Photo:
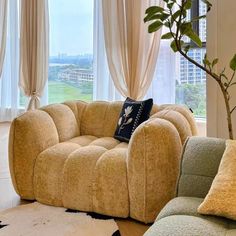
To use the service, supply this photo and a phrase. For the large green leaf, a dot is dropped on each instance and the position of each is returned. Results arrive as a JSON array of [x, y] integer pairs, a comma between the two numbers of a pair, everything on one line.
[[154, 9], [194, 37], [215, 61], [174, 46], [186, 49], [164, 16], [233, 63], [167, 24], [170, 5], [150, 17], [184, 13], [181, 43], [206, 62], [175, 15], [155, 26], [188, 4], [198, 18], [185, 28], [167, 36]]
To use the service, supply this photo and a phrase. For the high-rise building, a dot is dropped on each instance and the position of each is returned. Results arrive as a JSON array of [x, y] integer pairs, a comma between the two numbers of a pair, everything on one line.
[[190, 74]]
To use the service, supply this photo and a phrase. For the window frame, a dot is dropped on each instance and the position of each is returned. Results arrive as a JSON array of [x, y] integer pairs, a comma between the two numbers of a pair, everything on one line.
[[195, 12]]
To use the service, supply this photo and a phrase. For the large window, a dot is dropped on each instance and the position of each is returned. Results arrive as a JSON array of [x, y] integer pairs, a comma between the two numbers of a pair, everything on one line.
[[71, 74], [191, 81], [71, 49]]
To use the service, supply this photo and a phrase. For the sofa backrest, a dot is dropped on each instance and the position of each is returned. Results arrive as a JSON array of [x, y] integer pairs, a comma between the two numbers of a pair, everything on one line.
[[98, 118], [200, 161]]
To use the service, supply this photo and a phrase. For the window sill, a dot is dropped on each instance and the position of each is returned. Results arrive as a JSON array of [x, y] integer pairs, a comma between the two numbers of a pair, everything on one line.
[[201, 126]]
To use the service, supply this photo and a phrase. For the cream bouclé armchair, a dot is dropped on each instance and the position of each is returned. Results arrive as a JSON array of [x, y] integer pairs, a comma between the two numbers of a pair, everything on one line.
[[65, 155]]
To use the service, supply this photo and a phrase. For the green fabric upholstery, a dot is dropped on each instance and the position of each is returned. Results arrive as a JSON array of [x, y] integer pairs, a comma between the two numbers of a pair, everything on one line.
[[180, 218], [181, 206], [181, 225], [200, 161], [187, 206]]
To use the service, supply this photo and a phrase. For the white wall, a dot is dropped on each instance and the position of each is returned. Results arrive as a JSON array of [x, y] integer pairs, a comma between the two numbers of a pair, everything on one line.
[[221, 43]]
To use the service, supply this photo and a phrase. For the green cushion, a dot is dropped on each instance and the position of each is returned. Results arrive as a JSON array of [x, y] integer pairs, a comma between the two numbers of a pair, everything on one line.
[[181, 225], [180, 218], [188, 206], [181, 206], [200, 162]]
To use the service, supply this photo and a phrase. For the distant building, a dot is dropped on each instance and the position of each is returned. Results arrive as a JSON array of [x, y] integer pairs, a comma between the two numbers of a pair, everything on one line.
[[62, 55], [76, 75], [190, 74]]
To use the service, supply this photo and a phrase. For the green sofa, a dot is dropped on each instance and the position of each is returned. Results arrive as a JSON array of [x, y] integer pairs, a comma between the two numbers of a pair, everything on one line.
[[200, 161]]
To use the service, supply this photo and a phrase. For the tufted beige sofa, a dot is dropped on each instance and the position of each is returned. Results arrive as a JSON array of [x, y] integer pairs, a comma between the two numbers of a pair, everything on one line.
[[65, 155]]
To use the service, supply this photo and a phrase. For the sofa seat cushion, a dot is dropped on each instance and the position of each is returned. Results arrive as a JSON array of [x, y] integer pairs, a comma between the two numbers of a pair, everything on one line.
[[106, 142], [180, 218], [48, 173], [83, 140], [181, 206], [85, 173], [183, 225]]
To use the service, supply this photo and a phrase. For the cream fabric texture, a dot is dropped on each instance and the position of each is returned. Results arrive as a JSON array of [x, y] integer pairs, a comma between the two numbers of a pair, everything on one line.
[[65, 155], [3, 31], [221, 200], [34, 49], [131, 51]]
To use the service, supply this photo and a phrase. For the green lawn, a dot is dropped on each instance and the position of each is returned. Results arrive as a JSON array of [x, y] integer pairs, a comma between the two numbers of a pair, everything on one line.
[[60, 92]]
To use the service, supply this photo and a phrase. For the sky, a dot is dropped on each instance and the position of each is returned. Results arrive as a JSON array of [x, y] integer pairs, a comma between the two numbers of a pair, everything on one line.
[[71, 27]]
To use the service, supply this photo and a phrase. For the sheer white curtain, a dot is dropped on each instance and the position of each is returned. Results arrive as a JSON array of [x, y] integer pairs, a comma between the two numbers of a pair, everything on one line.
[[103, 88], [34, 49], [162, 88], [9, 91], [3, 29], [131, 51]]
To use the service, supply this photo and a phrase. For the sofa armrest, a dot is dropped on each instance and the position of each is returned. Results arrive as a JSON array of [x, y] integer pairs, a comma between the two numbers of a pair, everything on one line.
[[178, 120], [153, 167], [185, 112], [30, 134]]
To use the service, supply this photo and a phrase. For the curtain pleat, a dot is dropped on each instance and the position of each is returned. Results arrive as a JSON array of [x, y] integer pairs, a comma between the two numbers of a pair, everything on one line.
[[9, 90], [34, 49], [131, 51], [3, 31]]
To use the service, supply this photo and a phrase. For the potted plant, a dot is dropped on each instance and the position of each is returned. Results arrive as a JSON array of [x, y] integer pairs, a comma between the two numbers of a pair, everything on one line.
[[174, 17]]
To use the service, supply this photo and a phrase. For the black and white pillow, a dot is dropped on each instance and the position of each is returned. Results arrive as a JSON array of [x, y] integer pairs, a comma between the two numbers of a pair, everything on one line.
[[132, 115]]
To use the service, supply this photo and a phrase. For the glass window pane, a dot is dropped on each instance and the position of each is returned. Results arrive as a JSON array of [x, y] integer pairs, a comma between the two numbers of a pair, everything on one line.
[[202, 22], [191, 84], [191, 81], [71, 50]]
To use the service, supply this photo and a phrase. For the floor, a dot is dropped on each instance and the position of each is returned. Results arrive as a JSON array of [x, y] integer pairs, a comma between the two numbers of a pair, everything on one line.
[[9, 198]]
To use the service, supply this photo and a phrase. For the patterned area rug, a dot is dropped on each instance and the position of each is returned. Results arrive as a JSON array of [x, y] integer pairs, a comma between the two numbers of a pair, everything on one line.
[[36, 219]]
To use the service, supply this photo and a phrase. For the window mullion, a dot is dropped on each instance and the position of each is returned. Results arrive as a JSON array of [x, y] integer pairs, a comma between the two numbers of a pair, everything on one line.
[[194, 14]]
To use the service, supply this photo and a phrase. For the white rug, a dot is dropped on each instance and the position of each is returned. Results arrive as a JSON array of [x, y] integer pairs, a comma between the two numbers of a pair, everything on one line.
[[36, 219]]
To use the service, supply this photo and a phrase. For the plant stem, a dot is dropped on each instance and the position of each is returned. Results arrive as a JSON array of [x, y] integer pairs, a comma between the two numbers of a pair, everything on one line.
[[223, 90], [229, 114], [217, 78]]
